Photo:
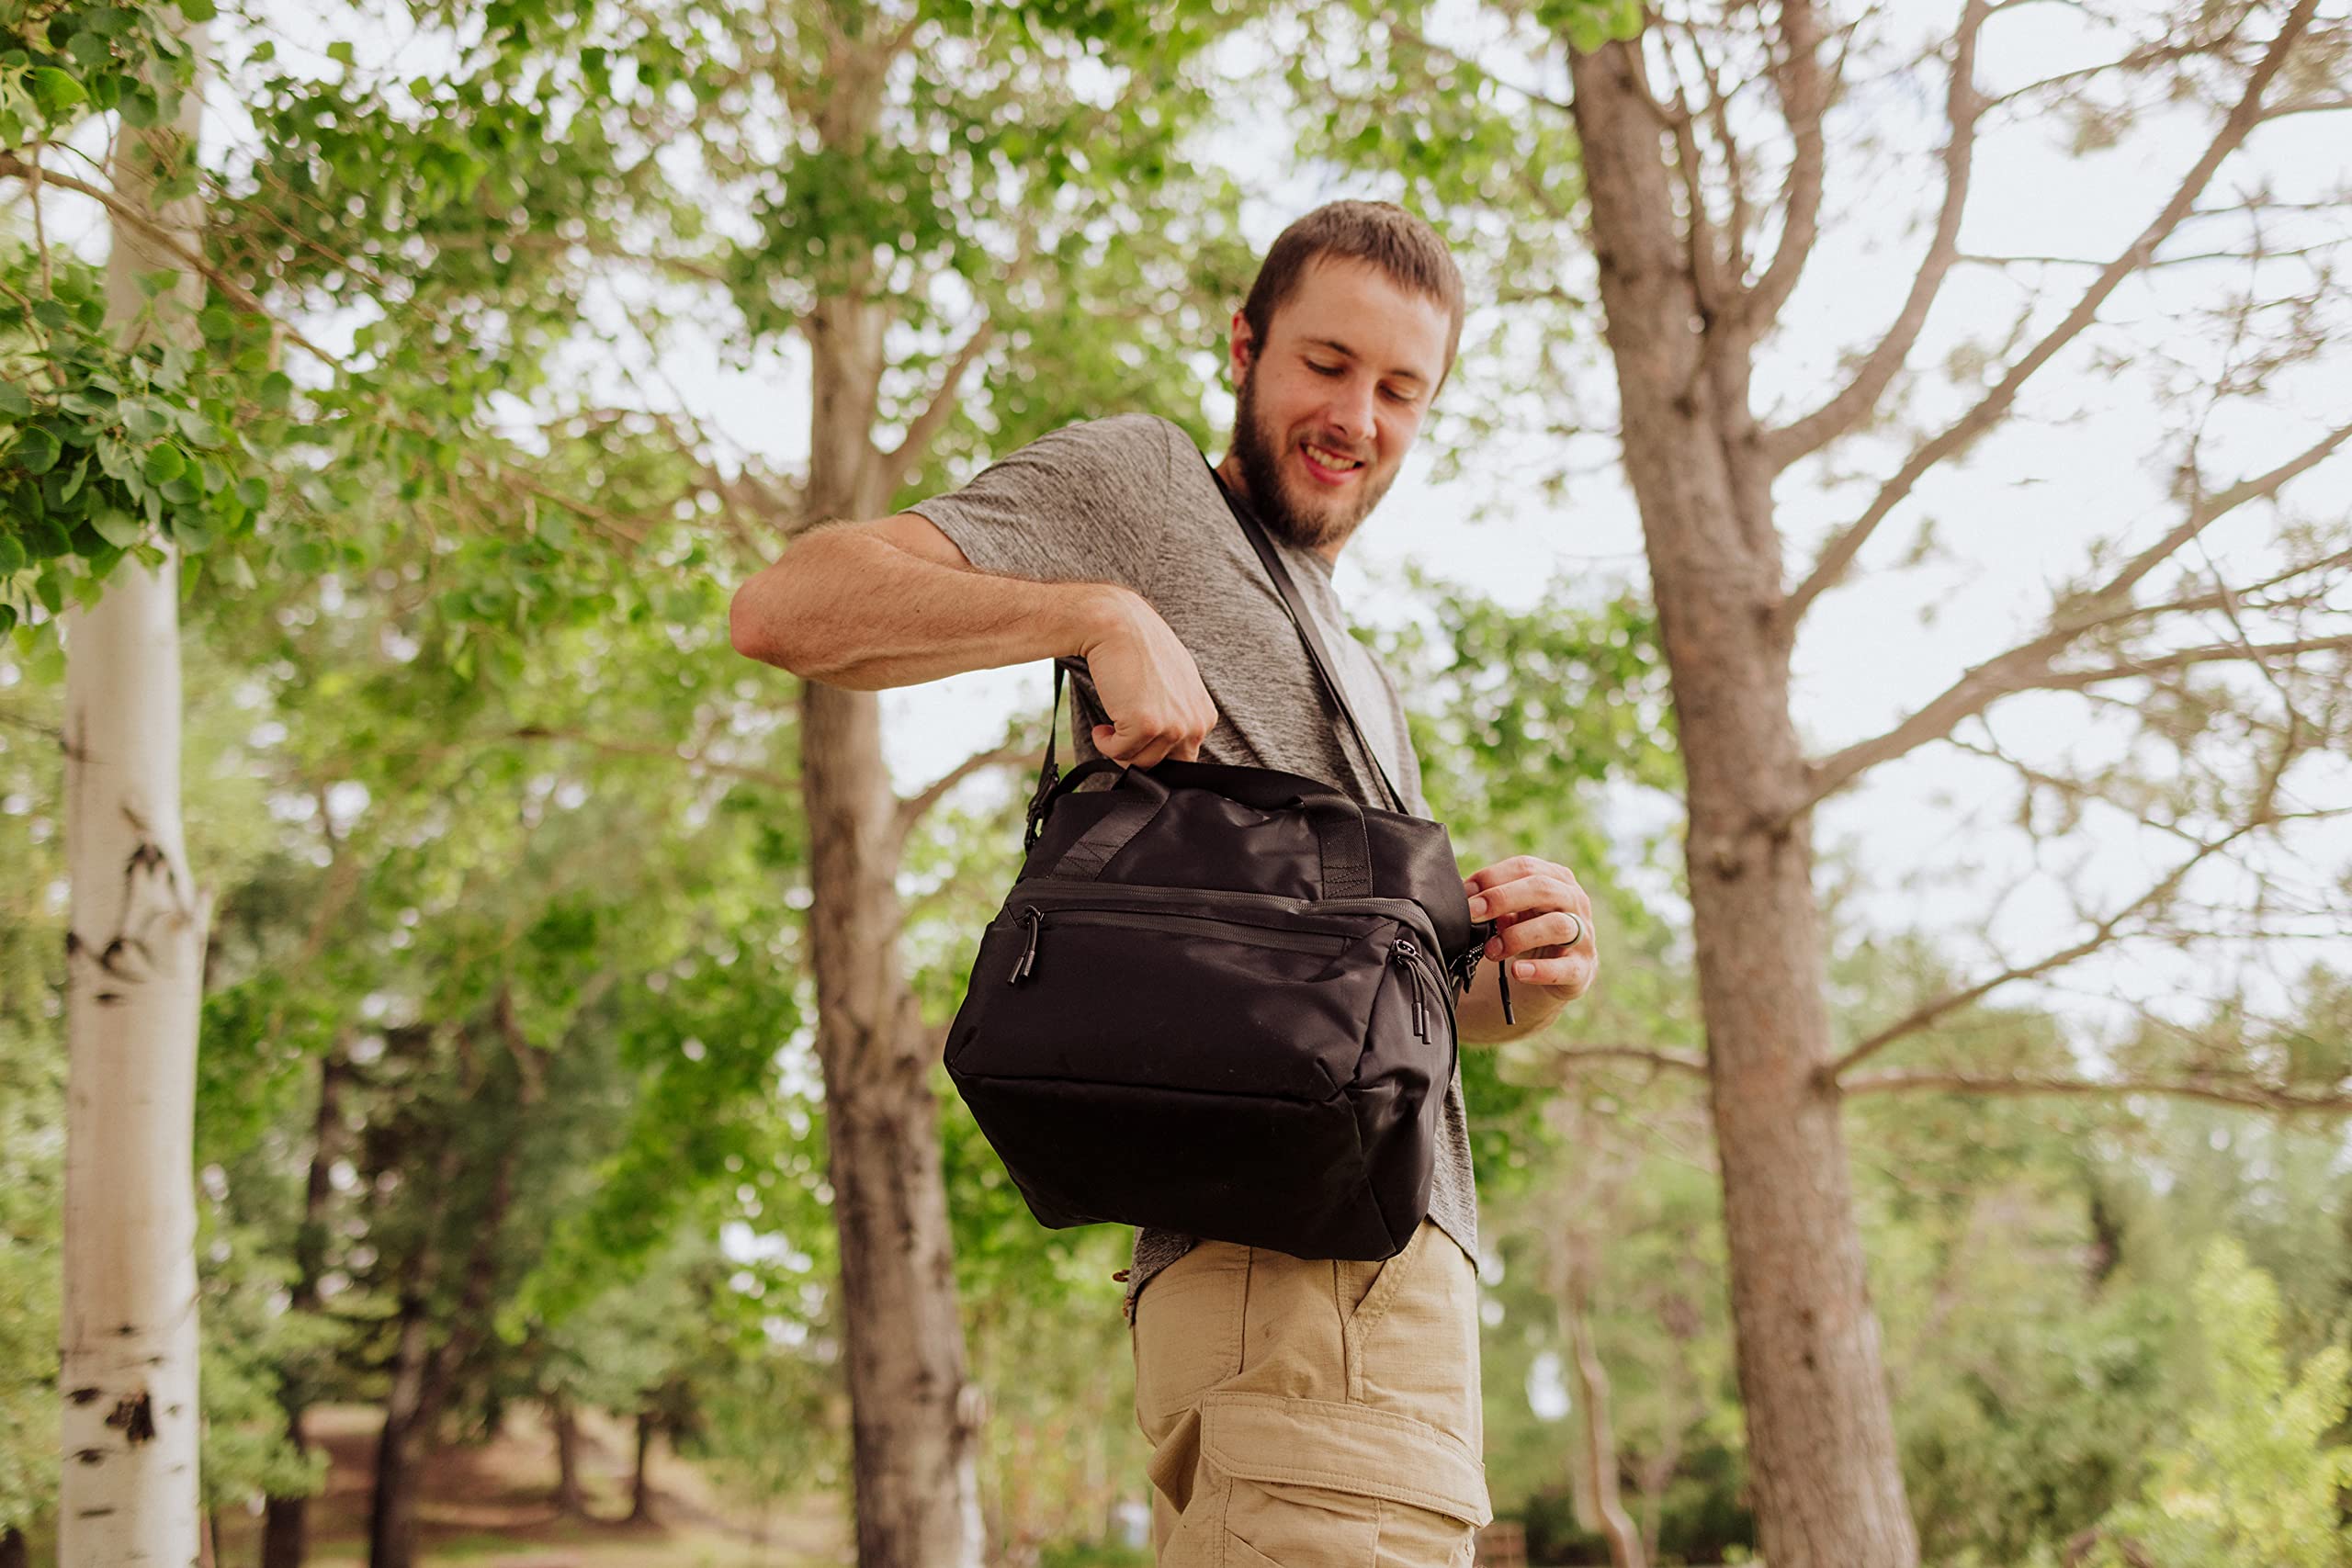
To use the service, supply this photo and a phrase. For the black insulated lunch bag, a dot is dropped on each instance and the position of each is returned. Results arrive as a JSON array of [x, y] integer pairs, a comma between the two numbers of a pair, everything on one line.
[[1219, 1000]]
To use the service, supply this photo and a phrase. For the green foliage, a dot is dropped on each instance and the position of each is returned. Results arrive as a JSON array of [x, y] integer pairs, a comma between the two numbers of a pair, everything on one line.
[[2251, 1478], [60, 62], [32, 1108], [104, 450], [245, 1451]]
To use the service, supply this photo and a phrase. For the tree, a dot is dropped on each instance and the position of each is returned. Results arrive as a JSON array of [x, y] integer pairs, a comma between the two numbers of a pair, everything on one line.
[[129, 1488], [1703, 214]]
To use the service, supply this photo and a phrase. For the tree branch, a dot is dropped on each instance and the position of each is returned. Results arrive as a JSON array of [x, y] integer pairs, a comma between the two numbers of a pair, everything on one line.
[[2247, 1093], [1651, 1056], [1012, 753], [1918, 1018], [2181, 659], [1803, 94], [1709, 282], [1841, 550], [1427, 46], [2029, 666], [699, 763], [244, 298], [1854, 402], [900, 460]]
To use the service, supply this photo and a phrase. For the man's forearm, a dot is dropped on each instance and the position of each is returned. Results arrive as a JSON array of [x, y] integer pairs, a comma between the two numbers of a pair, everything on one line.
[[1478, 1016], [858, 612]]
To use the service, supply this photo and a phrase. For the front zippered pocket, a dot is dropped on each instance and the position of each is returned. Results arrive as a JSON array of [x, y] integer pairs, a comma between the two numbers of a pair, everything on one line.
[[1050, 892], [1208, 927], [1088, 985]]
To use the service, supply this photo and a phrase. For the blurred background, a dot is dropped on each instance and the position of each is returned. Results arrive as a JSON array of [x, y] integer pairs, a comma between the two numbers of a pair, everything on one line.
[[448, 366]]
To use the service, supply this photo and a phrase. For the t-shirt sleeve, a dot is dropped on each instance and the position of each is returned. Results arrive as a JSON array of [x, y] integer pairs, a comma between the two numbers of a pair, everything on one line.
[[1081, 504]]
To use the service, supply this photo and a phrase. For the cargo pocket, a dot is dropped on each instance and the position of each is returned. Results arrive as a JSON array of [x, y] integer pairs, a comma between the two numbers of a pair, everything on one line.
[[1317, 1480]]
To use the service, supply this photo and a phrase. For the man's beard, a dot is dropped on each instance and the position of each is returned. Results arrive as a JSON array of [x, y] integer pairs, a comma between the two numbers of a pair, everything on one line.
[[1260, 470]]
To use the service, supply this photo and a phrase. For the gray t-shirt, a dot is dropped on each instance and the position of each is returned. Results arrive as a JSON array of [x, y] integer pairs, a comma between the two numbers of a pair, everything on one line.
[[1130, 500]]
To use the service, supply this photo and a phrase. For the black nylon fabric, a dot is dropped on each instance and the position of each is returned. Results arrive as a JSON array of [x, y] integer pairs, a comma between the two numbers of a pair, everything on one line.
[[1175, 1022]]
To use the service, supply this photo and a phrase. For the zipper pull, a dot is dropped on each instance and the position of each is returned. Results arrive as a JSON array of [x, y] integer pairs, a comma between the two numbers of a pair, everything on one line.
[[1502, 983], [1037, 924], [1403, 953]]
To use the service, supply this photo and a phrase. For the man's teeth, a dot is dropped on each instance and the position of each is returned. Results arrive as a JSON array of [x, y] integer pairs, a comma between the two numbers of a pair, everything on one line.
[[1332, 459]]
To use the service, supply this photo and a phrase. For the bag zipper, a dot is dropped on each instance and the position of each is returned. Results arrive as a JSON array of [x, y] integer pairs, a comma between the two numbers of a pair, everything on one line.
[[1403, 909], [1034, 919]]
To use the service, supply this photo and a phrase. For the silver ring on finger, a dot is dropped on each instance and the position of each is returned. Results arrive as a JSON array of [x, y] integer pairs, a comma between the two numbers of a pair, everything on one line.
[[1577, 930]]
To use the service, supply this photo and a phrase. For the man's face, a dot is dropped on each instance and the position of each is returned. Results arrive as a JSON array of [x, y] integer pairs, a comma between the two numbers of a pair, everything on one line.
[[1328, 403]]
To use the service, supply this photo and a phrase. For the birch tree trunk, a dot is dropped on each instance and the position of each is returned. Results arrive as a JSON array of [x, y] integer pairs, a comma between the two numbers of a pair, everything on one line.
[[1821, 1435], [134, 968]]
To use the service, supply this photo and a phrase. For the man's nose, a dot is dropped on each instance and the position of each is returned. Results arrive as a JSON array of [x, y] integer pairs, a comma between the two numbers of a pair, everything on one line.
[[1352, 412]]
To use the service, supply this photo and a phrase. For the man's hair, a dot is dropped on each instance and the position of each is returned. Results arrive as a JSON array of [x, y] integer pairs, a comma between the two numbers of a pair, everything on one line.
[[1378, 233]]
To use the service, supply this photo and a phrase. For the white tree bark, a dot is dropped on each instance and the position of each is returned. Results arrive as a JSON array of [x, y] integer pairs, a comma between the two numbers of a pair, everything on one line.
[[134, 968]]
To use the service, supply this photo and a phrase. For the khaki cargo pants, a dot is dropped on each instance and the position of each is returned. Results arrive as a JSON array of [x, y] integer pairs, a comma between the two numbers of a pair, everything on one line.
[[1313, 1414]]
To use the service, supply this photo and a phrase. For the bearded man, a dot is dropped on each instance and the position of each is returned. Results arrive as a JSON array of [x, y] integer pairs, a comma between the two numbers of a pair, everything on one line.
[[1301, 1412]]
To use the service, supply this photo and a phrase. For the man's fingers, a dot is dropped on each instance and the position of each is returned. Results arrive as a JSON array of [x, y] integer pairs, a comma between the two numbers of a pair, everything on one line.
[[1531, 931], [1541, 892], [1143, 745]]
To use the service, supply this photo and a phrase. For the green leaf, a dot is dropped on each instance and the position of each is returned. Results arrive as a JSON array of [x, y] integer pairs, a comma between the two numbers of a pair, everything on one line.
[[277, 391], [52, 314], [165, 464], [214, 322], [253, 492], [37, 450], [12, 555], [144, 422], [116, 527], [13, 399], [200, 430], [55, 91], [340, 52], [197, 10], [7, 617]]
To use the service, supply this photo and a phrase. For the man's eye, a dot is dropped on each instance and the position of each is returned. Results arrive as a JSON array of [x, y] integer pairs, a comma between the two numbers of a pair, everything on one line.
[[1323, 369]]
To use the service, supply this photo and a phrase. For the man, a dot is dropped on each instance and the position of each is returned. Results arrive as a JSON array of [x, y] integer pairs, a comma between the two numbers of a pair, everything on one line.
[[1301, 1413]]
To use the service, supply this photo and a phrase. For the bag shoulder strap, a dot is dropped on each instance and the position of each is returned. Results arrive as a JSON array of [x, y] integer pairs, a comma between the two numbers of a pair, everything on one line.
[[1316, 653]]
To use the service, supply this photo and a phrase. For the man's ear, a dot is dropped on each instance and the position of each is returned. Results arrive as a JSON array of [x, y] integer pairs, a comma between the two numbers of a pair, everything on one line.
[[1245, 345]]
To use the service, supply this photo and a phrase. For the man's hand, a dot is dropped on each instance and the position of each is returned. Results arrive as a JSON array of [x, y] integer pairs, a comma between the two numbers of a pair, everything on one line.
[[1531, 900], [1148, 685]]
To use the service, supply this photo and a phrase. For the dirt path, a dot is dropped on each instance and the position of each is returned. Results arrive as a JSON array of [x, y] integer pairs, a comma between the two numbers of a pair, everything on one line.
[[490, 1505]]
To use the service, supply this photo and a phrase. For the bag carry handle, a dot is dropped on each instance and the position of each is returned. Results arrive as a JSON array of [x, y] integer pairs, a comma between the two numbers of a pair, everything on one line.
[[1343, 846]]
